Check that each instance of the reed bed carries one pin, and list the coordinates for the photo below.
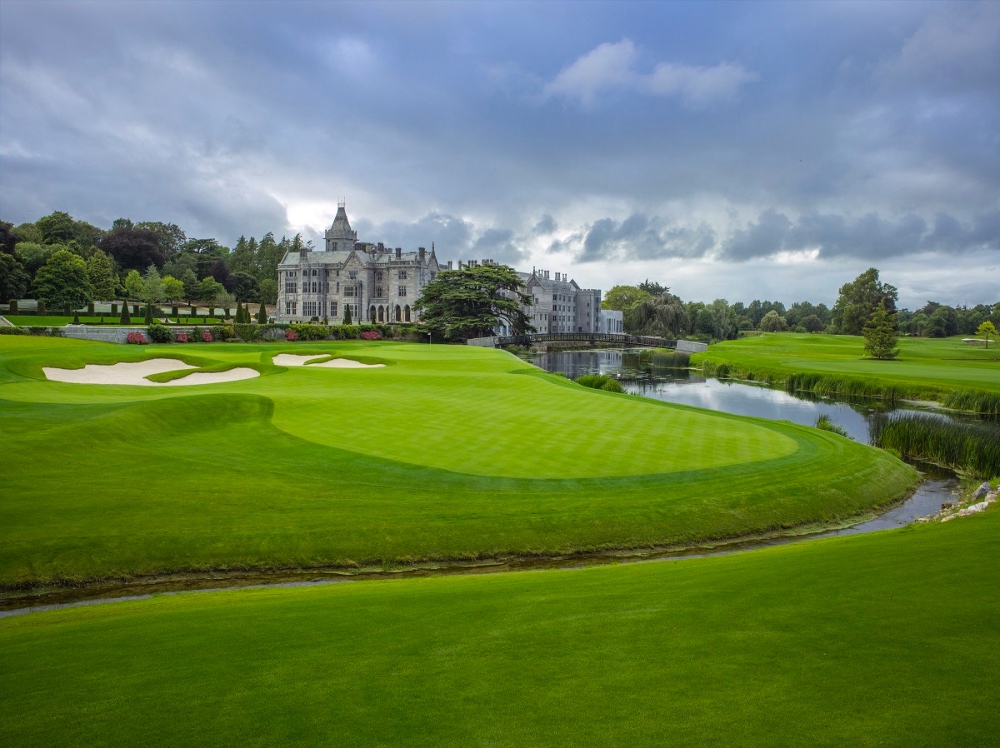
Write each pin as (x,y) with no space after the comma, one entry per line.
(671,360)
(825,423)
(599,382)
(976,401)
(970,447)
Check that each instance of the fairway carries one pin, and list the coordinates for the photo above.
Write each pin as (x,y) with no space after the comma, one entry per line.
(444,452)
(926,366)
(889,638)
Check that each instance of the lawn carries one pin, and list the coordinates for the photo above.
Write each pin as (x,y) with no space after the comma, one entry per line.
(446,452)
(882,639)
(927,366)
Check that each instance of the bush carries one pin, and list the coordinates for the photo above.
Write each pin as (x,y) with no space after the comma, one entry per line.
(206,336)
(311,331)
(13,331)
(612,385)
(291,335)
(13,306)
(371,335)
(182,337)
(248,332)
(126,318)
(136,338)
(222,333)
(160,334)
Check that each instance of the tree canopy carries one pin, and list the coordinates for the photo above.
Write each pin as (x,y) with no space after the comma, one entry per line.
(471,301)
(62,281)
(860,299)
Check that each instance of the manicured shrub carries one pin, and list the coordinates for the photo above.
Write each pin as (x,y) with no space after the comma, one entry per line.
(311,331)
(222,333)
(291,335)
(114,310)
(136,338)
(262,314)
(248,332)
(149,314)
(182,337)
(160,334)
(206,336)
(371,335)
(126,318)
(13,331)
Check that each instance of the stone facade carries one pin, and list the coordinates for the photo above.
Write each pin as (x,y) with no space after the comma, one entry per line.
(560,305)
(377,283)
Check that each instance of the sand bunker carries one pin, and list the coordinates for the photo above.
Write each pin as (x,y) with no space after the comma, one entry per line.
(136,373)
(289,359)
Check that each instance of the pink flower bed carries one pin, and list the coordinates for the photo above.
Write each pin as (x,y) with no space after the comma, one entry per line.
(182,337)
(206,336)
(136,338)
(371,335)
(291,335)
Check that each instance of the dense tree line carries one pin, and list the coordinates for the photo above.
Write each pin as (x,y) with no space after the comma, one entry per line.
(62,261)
(650,309)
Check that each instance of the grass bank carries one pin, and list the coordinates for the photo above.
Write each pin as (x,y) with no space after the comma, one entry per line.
(448,453)
(945,370)
(881,639)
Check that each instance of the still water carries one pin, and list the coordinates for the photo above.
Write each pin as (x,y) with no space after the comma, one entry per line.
(740,398)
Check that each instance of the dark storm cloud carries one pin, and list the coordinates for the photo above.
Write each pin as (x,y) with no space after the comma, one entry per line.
(635,130)
(868,236)
(638,237)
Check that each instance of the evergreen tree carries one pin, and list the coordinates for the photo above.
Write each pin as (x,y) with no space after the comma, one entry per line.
(347,314)
(126,318)
(101,274)
(262,314)
(149,314)
(239,313)
(880,334)
(472,301)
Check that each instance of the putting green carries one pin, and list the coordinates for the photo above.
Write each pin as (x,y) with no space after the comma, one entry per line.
(445,452)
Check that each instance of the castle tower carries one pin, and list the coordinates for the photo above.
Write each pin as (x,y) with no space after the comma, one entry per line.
(340,236)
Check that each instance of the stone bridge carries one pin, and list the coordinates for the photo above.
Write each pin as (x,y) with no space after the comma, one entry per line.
(590,338)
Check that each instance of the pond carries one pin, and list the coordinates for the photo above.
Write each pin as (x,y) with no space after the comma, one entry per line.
(688,387)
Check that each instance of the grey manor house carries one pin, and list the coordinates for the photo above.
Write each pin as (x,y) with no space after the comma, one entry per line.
(379,284)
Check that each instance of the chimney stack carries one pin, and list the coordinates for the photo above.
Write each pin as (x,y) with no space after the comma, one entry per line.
(399,252)
(423,253)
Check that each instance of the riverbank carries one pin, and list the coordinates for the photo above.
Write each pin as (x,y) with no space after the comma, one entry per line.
(945,371)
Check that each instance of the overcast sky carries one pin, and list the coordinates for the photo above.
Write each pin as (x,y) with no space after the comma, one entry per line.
(735,150)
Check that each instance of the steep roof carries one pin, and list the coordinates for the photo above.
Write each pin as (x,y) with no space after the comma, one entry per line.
(341,227)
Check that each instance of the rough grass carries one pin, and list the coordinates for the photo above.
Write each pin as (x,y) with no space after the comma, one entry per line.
(453,452)
(882,639)
(962,377)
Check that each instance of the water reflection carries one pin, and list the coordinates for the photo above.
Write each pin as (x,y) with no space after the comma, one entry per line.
(739,398)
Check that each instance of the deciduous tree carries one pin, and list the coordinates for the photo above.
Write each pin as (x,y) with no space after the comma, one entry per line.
(102,277)
(881,335)
(62,281)
(14,279)
(986,330)
(860,299)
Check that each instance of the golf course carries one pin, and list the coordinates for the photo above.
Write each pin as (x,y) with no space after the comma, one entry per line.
(939,369)
(887,638)
(442,452)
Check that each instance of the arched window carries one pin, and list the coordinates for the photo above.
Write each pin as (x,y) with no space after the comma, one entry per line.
(406,313)
(371,313)
(399,313)
(381,314)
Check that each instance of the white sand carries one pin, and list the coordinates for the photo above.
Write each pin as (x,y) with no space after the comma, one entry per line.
(290,359)
(135,373)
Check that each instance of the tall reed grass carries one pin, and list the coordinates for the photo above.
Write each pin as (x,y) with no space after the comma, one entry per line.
(599,382)
(971,447)
(976,401)
(672,360)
